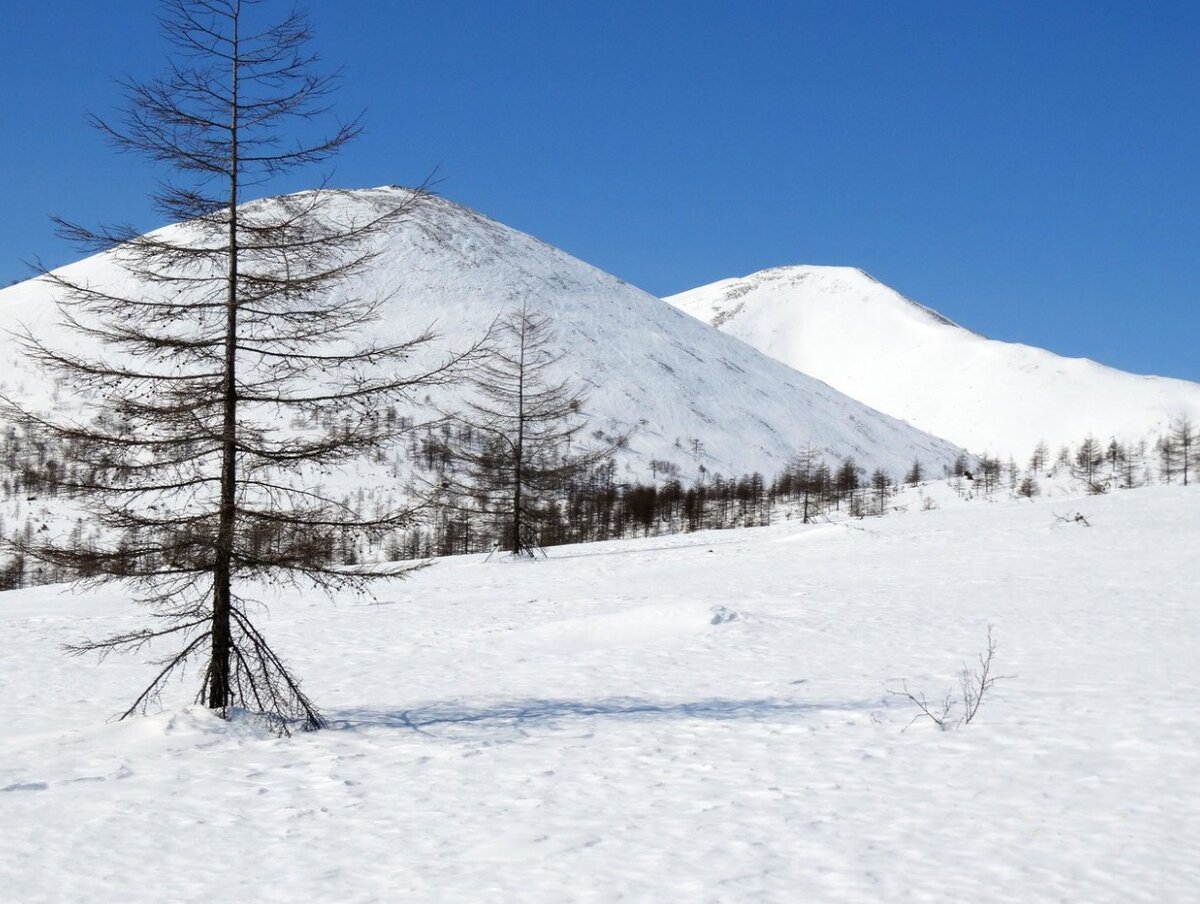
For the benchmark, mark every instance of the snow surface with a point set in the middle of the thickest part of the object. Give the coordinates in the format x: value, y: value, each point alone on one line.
x: 841, y: 326
x: 649, y: 367
x: 693, y: 718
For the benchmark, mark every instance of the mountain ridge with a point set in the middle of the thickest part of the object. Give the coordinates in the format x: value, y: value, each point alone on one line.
x: 842, y: 326
x: 691, y: 395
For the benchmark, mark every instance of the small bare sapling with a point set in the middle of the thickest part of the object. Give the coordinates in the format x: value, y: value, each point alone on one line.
x: 974, y: 684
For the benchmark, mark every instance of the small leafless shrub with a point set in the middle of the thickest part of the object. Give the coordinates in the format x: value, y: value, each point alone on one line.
x: 974, y: 684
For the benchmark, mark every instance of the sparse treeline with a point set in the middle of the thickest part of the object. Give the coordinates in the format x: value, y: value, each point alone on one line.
x: 577, y: 504
x: 1099, y: 466
x: 583, y: 507
x: 572, y: 504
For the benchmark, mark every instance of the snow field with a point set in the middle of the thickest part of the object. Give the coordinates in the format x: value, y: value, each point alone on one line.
x: 690, y: 718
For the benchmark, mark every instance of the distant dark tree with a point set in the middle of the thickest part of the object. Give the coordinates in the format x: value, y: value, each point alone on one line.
x: 670, y: 498
x: 846, y: 480
x: 221, y: 333
x: 1037, y: 461
x: 1184, y: 439
x: 823, y: 484
x: 1114, y: 454
x: 530, y: 428
x: 1014, y: 473
x: 1132, y: 465
x: 1168, y: 457
x: 989, y: 473
x: 12, y: 573
x: 915, y: 474
x: 881, y: 484
x: 960, y: 465
x: 641, y: 506
x: 662, y: 468
x: 695, y: 504
x: 1028, y: 488
x: 1088, y: 458
x: 1063, y: 459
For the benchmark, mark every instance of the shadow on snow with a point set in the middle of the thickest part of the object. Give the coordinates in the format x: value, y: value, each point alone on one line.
x: 532, y: 712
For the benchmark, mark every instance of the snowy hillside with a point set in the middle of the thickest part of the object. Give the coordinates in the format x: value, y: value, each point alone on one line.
x: 841, y: 326
x: 693, y: 396
x: 700, y: 718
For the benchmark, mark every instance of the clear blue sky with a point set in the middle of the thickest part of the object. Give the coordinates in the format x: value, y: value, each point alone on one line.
x: 1031, y: 170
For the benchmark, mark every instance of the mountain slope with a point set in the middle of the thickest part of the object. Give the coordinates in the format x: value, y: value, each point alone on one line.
x: 692, y: 395
x: 841, y: 326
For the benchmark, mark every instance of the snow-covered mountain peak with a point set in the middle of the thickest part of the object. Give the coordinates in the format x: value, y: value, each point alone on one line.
x: 692, y: 396
x: 849, y: 287
x: 840, y: 325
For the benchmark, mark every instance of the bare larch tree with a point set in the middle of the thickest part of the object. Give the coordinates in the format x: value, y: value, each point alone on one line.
x: 231, y: 368
x: 528, y: 431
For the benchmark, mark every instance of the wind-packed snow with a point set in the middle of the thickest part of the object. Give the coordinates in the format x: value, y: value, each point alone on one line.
x: 841, y: 326
x: 691, y: 395
x: 695, y: 718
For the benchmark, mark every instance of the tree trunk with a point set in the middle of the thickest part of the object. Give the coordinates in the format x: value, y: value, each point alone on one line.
x: 219, y: 691
x: 518, y: 451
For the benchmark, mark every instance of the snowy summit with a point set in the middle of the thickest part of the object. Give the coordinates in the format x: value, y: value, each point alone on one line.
x: 688, y: 394
x: 839, y: 325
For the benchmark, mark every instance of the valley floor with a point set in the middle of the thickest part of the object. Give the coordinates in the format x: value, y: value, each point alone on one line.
x: 691, y: 718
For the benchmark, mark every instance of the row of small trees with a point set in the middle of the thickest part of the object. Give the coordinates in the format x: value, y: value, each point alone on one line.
x: 477, y: 495
x: 1099, y: 466
x: 583, y: 505
x: 593, y: 506
x: 1102, y: 465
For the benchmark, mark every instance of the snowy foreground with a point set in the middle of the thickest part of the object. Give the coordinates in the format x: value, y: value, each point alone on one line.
x: 694, y: 718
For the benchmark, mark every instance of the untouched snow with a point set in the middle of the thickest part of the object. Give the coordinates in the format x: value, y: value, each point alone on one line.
x: 692, y: 395
x: 841, y: 326
x: 693, y: 718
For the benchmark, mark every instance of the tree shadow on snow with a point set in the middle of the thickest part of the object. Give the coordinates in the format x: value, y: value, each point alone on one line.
x: 523, y: 713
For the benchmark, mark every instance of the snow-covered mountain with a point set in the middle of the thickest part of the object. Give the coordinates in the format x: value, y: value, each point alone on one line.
x: 841, y: 326
x: 693, y: 395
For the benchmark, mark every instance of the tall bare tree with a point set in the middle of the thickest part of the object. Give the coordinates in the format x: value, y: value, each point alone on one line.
x: 806, y: 479
x: 231, y: 365
x: 528, y: 431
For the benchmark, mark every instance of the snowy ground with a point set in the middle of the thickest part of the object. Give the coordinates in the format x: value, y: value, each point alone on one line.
x: 694, y: 718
